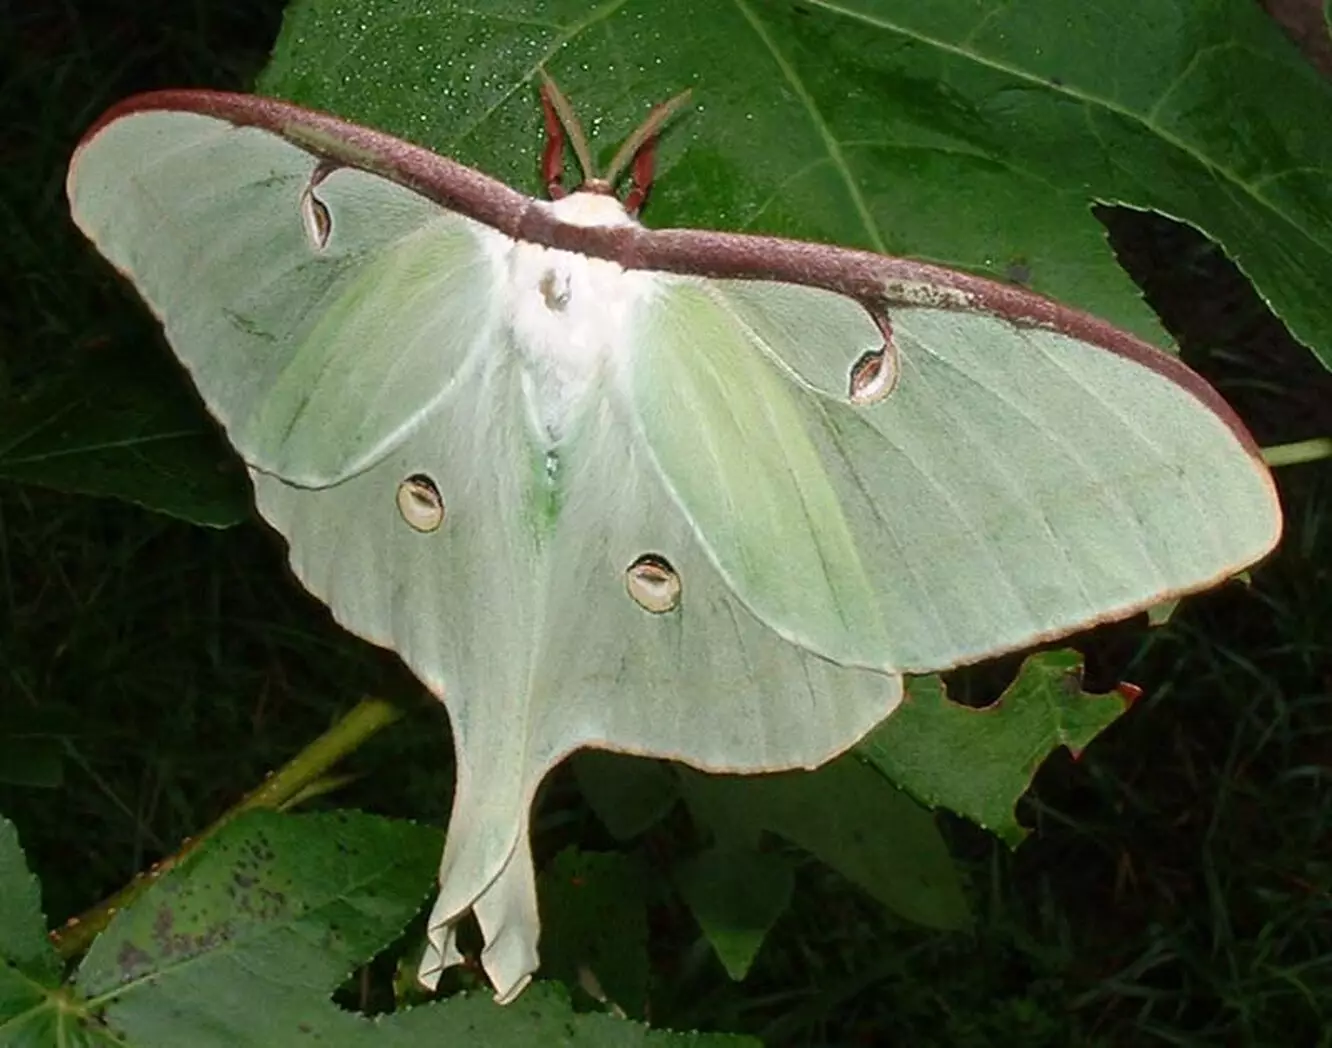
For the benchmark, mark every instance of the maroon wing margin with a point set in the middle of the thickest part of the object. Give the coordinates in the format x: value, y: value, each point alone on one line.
x: 344, y: 144
x: 878, y: 281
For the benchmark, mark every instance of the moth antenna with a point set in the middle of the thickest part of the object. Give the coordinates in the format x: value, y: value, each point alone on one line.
x: 554, y: 97
x: 647, y: 130
x: 640, y: 178
x: 552, y: 156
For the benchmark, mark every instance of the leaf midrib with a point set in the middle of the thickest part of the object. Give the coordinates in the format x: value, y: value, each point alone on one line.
x: 1143, y: 120
x: 830, y: 142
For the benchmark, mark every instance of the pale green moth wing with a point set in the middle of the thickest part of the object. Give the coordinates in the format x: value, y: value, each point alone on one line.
x: 521, y: 615
x: 509, y: 535
x: 682, y: 493
x: 1005, y: 472
x: 317, y: 343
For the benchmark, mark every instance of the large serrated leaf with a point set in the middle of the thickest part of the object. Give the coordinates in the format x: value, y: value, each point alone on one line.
x: 23, y: 943
x: 979, y: 762
x: 543, y: 1019
x: 975, y: 133
x: 243, y: 942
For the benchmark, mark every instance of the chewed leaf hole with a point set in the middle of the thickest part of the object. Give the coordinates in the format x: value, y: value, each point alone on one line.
x: 420, y: 503
x: 873, y: 376
x: 653, y: 583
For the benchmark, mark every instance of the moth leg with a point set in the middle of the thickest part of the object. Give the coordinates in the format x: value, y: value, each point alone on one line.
x: 552, y: 157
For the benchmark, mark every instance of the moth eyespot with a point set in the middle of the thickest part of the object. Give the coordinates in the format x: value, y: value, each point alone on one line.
x: 653, y: 584
x: 873, y: 376
x: 318, y: 222
x: 315, y: 216
x: 420, y: 503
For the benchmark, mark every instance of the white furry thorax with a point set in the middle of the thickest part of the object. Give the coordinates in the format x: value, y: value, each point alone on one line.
x: 571, y: 314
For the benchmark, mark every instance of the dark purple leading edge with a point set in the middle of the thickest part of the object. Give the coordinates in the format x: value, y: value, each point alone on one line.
x: 862, y: 275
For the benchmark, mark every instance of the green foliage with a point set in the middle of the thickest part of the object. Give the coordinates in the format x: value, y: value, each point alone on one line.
x: 979, y: 762
x: 594, y: 916
x: 736, y: 894
x: 243, y: 942
x: 30, y: 964
x: 975, y: 134
x: 98, y: 430
x: 852, y: 819
x: 628, y: 796
x: 844, y: 813
x: 1176, y: 890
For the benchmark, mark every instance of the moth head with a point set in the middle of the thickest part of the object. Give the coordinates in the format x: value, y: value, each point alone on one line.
x: 636, y: 153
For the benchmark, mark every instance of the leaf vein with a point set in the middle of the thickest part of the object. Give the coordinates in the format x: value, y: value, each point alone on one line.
x: 830, y: 143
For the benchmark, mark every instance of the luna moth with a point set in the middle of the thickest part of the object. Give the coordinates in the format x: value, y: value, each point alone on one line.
x: 700, y: 495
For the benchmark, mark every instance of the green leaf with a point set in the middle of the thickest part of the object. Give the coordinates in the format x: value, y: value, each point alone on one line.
x: 23, y: 941
x: 978, y: 762
x: 122, y: 425
x: 594, y: 926
x: 849, y: 817
x: 975, y: 133
x: 1160, y: 614
x: 628, y: 794
x: 736, y: 895
x: 31, y: 1010
x: 243, y: 942
x: 542, y: 1017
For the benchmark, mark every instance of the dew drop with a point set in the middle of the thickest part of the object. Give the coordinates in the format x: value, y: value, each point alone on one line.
x: 420, y: 503
x: 873, y: 376
x: 653, y: 583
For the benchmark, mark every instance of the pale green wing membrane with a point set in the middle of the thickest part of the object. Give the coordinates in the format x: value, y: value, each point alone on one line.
x: 320, y: 311
x: 704, y: 681
x: 1015, y: 484
x: 520, y: 613
x: 726, y: 426
x: 460, y: 602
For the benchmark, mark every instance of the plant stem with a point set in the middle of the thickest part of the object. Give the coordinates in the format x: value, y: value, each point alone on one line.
x: 277, y: 791
x: 1301, y: 451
